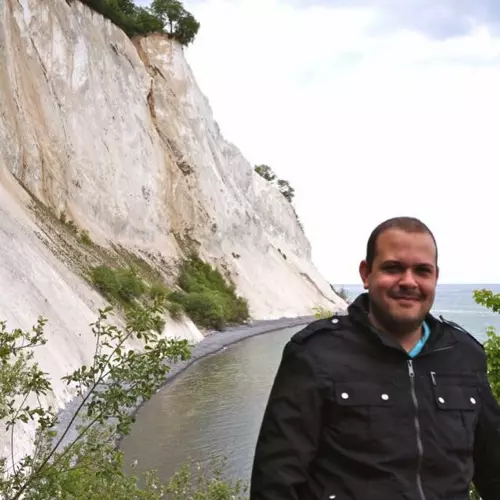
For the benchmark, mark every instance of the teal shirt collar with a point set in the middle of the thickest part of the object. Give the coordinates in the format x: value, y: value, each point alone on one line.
x: 420, y: 344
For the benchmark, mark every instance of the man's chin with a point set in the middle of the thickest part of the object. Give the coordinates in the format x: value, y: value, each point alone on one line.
x: 407, y: 322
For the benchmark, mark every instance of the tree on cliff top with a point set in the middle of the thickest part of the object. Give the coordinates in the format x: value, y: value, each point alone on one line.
x: 177, y: 21
x: 164, y: 16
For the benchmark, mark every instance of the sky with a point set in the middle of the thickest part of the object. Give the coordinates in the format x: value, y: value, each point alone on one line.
x: 370, y: 109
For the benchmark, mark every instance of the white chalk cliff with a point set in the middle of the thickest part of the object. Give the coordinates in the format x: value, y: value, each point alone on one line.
x: 116, y: 133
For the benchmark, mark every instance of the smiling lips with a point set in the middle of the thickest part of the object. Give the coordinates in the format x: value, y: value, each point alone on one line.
x: 406, y: 298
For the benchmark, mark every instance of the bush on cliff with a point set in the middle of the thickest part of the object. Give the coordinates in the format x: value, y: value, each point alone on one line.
x: 203, y: 293
x: 206, y: 297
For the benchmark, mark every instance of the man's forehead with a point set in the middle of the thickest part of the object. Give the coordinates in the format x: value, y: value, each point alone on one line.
x: 397, y: 237
x: 396, y: 245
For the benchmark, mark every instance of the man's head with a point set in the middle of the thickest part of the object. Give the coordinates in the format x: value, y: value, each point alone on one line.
x: 400, y: 272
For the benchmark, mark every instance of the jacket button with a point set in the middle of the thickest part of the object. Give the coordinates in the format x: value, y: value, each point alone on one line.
x: 473, y: 401
x: 332, y: 496
x: 344, y: 395
x: 441, y: 400
x: 335, y: 320
x: 385, y: 397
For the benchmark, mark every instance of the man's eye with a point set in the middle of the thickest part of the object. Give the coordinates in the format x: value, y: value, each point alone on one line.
x: 392, y: 269
x: 423, y: 270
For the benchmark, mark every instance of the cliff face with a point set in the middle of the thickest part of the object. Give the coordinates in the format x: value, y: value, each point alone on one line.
x: 116, y: 133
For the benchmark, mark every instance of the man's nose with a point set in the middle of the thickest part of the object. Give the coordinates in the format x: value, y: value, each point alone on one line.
x: 408, y: 279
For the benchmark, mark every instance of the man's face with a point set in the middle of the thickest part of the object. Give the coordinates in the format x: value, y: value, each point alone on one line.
x: 402, y: 281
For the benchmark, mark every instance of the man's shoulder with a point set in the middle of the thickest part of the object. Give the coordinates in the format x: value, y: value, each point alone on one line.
x: 462, y: 335
x: 319, y: 327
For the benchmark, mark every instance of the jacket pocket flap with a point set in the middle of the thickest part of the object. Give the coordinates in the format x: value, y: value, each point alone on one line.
x: 454, y: 397
x: 364, y: 394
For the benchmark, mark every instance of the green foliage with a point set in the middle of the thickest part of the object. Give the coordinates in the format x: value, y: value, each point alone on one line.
x: 177, y: 21
x: 286, y: 190
x: 116, y: 381
x: 121, y: 285
x: 266, y: 172
x: 85, y: 237
x: 203, y: 293
x: 175, y: 309
x: 159, y: 291
x: 134, y: 20
x: 187, y: 484
x: 206, y: 297
x: 321, y: 312
x: 283, y: 186
x: 491, y: 301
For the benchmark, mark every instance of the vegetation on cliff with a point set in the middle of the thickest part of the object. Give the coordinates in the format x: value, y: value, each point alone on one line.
x: 201, y: 292
x: 163, y: 16
x: 266, y: 172
x: 206, y: 297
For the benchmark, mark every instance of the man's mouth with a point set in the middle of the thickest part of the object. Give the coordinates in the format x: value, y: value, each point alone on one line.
x: 407, y: 298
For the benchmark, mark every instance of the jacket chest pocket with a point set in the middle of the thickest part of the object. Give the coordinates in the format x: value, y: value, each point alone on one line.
x: 364, y: 413
x: 457, y: 405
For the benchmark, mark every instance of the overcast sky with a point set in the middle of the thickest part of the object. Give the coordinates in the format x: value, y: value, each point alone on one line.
x: 371, y: 109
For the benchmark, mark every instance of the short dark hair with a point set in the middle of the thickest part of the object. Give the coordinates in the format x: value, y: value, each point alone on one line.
x: 407, y: 224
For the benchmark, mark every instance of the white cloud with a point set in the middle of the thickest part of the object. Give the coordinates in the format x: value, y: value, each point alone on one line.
x: 365, y: 125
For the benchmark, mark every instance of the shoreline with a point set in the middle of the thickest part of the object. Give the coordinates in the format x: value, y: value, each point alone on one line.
x: 216, y: 341
x: 212, y: 343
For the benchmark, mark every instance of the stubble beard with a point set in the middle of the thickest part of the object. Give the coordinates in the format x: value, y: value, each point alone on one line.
x: 392, y: 324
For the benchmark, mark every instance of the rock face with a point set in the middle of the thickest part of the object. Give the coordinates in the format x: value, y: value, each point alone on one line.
x: 116, y: 134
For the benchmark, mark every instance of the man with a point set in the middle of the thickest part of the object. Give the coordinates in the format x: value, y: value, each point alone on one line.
x: 386, y: 402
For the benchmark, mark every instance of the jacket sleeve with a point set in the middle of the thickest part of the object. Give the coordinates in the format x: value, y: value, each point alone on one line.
x: 290, y: 429
x: 487, y: 446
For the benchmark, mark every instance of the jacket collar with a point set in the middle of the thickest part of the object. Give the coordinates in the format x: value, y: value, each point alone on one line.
x: 440, y: 337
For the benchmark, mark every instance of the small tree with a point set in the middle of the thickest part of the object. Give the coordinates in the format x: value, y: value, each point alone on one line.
x: 284, y: 186
x: 85, y: 464
x: 491, y: 301
x: 177, y: 21
x: 286, y: 190
x: 266, y: 172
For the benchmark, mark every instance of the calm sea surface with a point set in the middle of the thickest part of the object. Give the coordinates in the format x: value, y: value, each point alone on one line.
x: 215, y: 407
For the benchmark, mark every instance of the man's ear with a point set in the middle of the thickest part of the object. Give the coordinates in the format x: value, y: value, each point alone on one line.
x: 364, y: 272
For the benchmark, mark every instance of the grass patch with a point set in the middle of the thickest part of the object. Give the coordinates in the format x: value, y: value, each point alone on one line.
x: 206, y: 297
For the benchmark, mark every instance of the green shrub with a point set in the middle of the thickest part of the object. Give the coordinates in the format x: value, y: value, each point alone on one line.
x: 118, y: 285
x: 491, y: 301
x: 175, y: 309
x: 206, y: 297
x: 191, y: 483
x: 321, y: 312
x: 158, y: 291
x: 85, y: 237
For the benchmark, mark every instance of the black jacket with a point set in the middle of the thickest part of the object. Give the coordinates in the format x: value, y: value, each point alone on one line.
x: 351, y: 416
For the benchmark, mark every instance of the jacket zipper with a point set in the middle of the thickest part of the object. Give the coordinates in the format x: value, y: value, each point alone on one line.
x: 420, y: 446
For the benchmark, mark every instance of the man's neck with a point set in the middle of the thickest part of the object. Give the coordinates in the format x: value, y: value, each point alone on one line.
x: 407, y: 340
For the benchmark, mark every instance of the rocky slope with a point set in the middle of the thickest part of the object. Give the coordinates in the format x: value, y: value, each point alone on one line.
x: 116, y: 134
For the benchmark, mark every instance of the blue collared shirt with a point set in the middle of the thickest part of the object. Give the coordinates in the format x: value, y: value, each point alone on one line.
x: 420, y: 344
